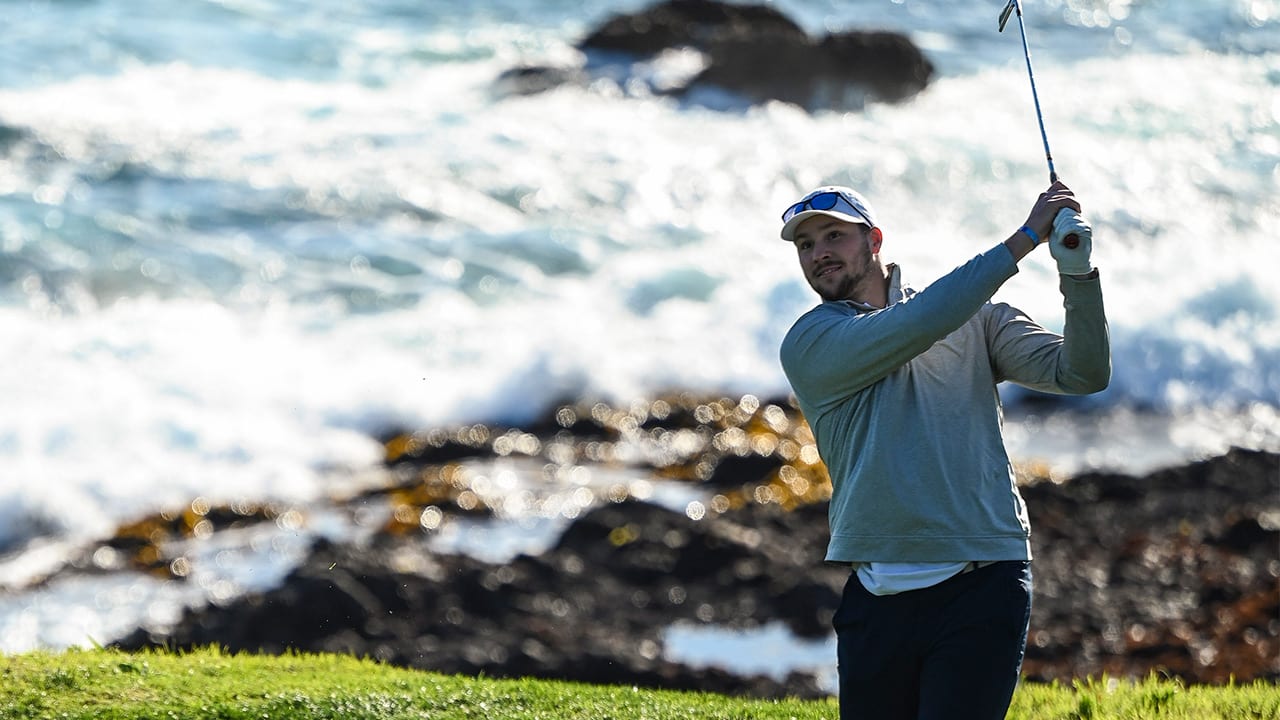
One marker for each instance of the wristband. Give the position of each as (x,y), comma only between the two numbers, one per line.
(1035,239)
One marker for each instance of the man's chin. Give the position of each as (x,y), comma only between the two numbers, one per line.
(832,292)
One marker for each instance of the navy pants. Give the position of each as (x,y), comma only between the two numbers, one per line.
(951,651)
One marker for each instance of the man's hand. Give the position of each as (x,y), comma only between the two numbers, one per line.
(1071,261)
(1047,206)
(1040,221)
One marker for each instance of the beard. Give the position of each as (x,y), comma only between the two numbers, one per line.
(843,289)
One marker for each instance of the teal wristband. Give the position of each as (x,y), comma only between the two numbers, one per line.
(1035,239)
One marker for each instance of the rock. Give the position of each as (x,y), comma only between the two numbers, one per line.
(842,71)
(887,63)
(1245,534)
(534,79)
(1175,572)
(698,24)
(753,54)
(1170,573)
(591,609)
(735,471)
(10,136)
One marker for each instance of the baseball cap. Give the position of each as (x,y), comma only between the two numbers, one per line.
(834,201)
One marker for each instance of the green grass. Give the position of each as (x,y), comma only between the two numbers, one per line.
(211,684)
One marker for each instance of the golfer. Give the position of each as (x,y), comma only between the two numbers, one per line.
(899,387)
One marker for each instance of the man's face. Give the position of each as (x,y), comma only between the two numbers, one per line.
(836,256)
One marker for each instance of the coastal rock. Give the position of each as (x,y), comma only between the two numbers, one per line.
(531,80)
(591,609)
(1175,572)
(694,23)
(751,54)
(891,66)
(840,71)
(10,136)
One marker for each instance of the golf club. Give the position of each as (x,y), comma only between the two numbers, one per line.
(1014,6)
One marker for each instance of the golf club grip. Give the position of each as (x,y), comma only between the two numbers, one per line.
(1072,241)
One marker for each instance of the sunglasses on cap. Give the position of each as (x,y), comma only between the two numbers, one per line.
(825,201)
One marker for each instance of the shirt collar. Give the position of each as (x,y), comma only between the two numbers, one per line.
(895,291)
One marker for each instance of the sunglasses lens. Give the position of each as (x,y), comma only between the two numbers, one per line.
(821,201)
(825,201)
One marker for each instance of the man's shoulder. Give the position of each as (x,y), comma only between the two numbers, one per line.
(823,312)
(1000,312)
(806,329)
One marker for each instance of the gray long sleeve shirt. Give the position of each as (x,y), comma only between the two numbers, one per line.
(903,404)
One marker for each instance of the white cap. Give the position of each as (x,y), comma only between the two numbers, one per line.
(841,203)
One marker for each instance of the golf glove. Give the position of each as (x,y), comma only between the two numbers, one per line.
(1071,261)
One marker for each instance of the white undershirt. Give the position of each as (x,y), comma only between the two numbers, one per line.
(891,578)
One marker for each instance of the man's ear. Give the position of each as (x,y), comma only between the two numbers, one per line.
(875,238)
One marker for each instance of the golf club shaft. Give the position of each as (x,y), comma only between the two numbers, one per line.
(1070,241)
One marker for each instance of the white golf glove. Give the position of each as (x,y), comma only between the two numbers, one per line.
(1071,261)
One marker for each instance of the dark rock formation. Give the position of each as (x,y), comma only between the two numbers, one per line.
(1177,572)
(841,71)
(1174,573)
(699,24)
(9,136)
(591,609)
(753,54)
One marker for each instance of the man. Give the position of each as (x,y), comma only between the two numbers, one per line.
(899,387)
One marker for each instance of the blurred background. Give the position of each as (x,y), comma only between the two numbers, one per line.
(242,241)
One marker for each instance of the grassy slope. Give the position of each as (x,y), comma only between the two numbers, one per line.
(210,684)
